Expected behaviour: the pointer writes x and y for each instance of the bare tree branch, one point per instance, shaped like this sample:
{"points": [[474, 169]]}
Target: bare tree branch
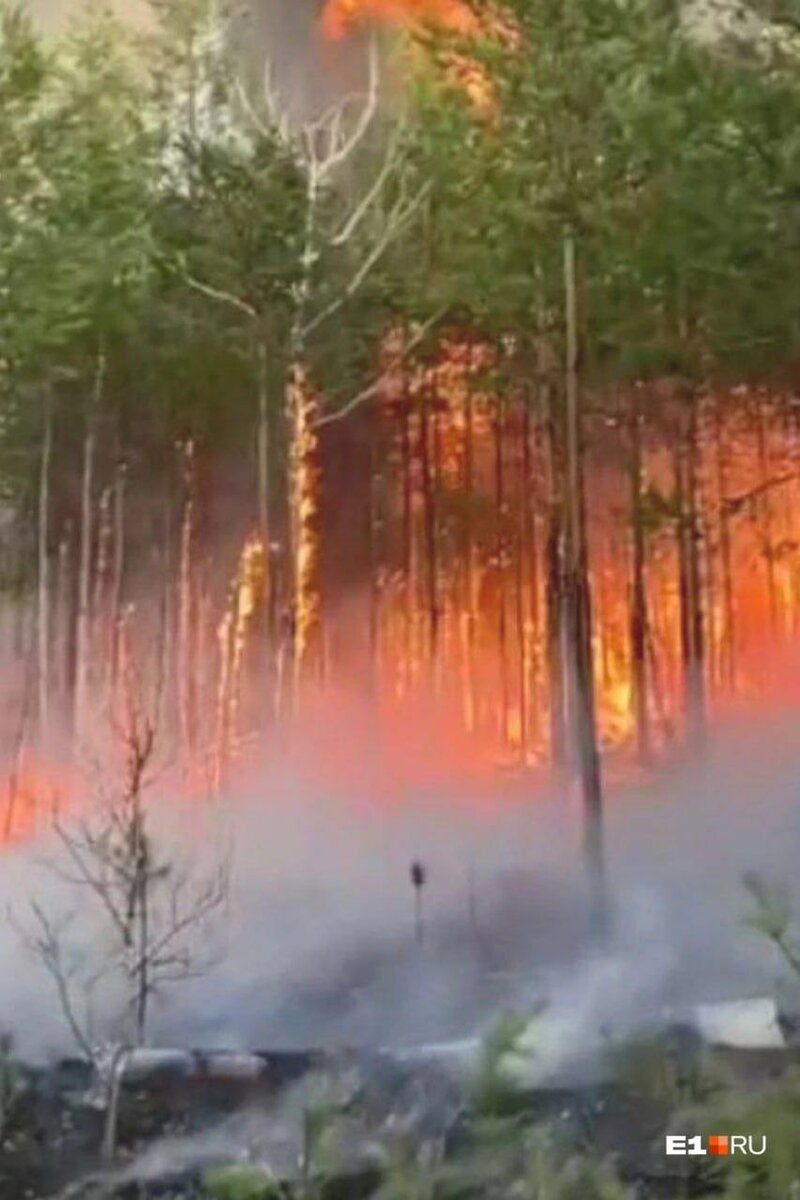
{"points": [[217, 294], [47, 945], [374, 388], [374, 191], [398, 219]]}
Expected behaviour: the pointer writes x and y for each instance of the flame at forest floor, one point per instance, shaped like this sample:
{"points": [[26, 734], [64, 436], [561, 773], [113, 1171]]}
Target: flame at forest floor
{"points": [[386, 755], [320, 944]]}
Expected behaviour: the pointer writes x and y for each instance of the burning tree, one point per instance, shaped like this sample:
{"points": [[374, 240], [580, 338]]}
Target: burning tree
{"points": [[573, 486], [352, 210]]}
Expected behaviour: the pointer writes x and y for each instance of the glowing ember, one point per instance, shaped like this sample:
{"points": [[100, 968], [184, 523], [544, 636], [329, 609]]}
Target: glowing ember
{"points": [[33, 795]]}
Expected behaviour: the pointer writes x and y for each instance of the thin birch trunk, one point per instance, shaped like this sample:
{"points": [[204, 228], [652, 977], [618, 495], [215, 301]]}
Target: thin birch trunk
{"points": [[638, 609], [62, 609], [581, 677], [689, 582], [82, 646], [101, 616], [766, 519], [408, 584], [697, 678], [43, 588], [728, 641], [523, 584], [500, 557], [429, 511], [264, 489], [185, 664], [374, 523], [470, 616], [117, 576], [554, 589]]}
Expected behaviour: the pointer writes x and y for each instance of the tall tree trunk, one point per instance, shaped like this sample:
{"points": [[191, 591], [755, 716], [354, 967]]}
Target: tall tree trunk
{"points": [[554, 585], [185, 663], [696, 577], [101, 616], [523, 590], [708, 597], [375, 559], [429, 510], [468, 548], [579, 645], [83, 623], [264, 489], [690, 583], [684, 594], [165, 565], [62, 607], [501, 556], [305, 510], [536, 681], [438, 534], [766, 520], [118, 569], [638, 609], [262, 443], [409, 583], [728, 642], [43, 586], [301, 412]]}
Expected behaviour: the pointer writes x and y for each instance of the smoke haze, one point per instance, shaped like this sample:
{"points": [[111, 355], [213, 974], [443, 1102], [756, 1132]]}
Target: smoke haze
{"points": [[319, 939]]}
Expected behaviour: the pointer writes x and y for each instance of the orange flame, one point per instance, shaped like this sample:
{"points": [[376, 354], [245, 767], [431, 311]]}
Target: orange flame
{"points": [[340, 16], [33, 792]]}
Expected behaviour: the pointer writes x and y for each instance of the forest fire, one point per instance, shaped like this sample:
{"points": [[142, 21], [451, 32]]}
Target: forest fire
{"points": [[463, 591], [35, 794], [452, 17], [399, 599], [340, 16]]}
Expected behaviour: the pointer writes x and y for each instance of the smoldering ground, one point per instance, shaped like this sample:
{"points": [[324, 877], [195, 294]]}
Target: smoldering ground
{"points": [[317, 943]]}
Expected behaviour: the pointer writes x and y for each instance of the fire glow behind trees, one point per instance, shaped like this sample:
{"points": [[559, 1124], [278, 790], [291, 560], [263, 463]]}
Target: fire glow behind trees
{"points": [[402, 517]]}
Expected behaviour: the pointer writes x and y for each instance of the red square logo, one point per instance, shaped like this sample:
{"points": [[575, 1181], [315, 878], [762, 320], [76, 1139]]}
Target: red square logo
{"points": [[717, 1144]]}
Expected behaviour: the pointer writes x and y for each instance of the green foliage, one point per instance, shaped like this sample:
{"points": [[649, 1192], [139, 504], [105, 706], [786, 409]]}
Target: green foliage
{"points": [[77, 255], [146, 217], [319, 1134], [774, 1113], [410, 1173], [492, 1090], [240, 1182], [10, 1085], [528, 1163], [650, 1074], [674, 168], [552, 1176], [771, 916]]}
